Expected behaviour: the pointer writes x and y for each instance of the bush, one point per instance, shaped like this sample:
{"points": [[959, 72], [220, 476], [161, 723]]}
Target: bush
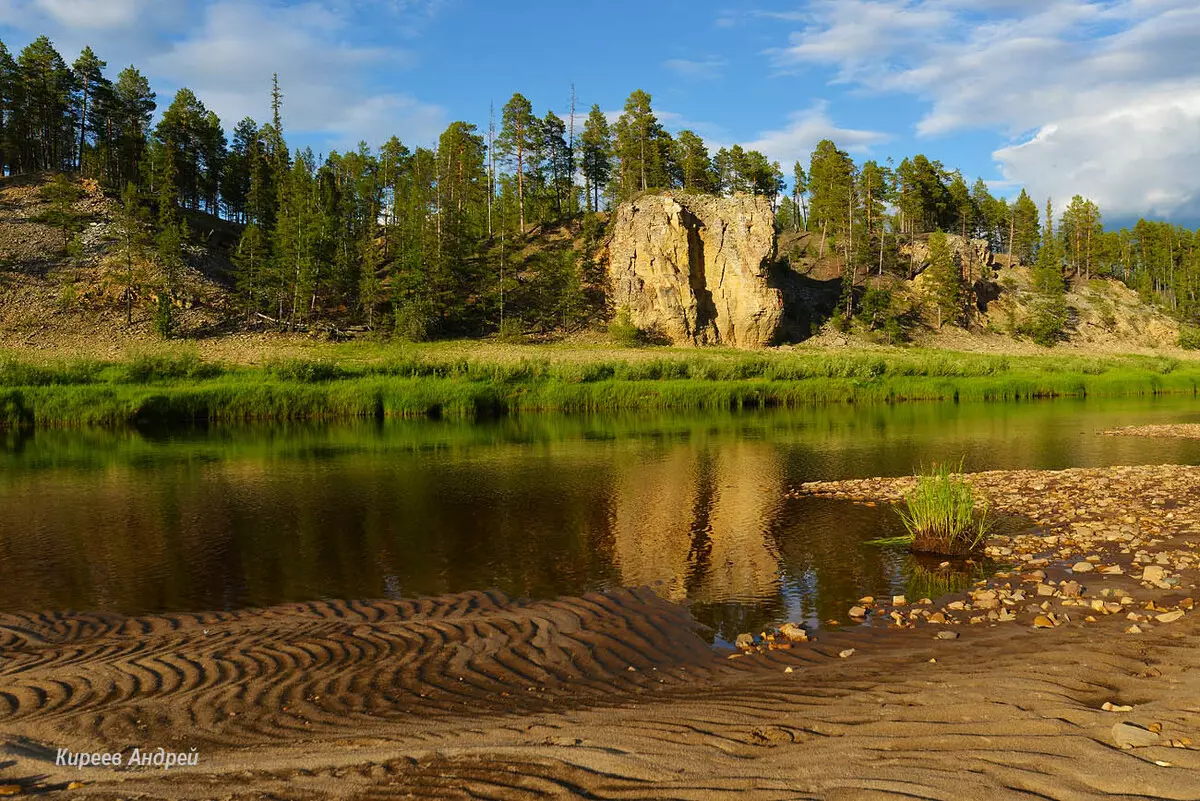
{"points": [[512, 330], [413, 322], [624, 332], [163, 319], [164, 366], [305, 371], [1189, 337], [942, 515], [1046, 325]]}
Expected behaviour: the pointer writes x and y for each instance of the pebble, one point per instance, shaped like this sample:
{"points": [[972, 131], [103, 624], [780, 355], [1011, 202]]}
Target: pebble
{"points": [[744, 641], [1082, 567], [1131, 735], [857, 611], [1109, 706], [1169, 617], [899, 600], [947, 635], [793, 632], [1153, 574], [847, 653]]}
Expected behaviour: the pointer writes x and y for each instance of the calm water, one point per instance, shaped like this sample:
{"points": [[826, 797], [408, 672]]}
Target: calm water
{"points": [[539, 506]]}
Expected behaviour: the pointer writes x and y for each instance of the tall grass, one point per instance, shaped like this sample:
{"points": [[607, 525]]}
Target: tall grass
{"points": [[177, 386], [942, 515]]}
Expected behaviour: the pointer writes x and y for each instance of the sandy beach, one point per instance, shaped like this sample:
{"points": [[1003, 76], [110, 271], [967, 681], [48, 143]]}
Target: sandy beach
{"points": [[1017, 688]]}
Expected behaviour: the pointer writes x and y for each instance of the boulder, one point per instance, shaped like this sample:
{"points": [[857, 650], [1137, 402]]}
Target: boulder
{"points": [[694, 268]]}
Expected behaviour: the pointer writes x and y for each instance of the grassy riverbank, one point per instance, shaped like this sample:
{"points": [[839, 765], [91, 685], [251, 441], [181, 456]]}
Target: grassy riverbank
{"points": [[169, 386]]}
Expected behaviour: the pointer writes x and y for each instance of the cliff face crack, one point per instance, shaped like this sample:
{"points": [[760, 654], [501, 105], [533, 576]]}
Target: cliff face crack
{"points": [[705, 327]]}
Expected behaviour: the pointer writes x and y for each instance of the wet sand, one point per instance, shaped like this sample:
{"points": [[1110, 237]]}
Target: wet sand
{"points": [[618, 696]]}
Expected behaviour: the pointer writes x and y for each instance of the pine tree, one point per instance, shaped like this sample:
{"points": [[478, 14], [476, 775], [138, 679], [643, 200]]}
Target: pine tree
{"points": [[799, 190], [695, 166], [8, 103], [875, 190], [41, 116], [559, 161], [596, 144], [643, 148], [62, 193], [831, 185], [251, 260], [133, 107], [1050, 304], [131, 226], [961, 204], [519, 130], [89, 75], [945, 283], [1024, 228]]}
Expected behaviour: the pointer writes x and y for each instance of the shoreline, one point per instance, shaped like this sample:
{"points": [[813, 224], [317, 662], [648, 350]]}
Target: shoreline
{"points": [[613, 695], [178, 387]]}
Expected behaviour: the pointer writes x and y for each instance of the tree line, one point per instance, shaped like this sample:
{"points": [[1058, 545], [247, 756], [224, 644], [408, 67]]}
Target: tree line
{"points": [[429, 240]]}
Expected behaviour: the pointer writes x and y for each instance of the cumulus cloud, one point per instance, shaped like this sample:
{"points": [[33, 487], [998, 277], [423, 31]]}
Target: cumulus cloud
{"points": [[796, 140], [1100, 99], [92, 14], [227, 50]]}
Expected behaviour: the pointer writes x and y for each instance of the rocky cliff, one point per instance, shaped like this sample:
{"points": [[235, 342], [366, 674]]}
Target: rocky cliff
{"points": [[695, 268]]}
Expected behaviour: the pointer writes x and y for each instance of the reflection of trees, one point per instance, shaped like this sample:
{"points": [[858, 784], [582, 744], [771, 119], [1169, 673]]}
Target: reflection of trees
{"points": [[827, 566]]}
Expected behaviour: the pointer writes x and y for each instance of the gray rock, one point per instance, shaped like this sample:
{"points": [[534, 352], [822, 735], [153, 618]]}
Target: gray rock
{"points": [[1131, 735]]}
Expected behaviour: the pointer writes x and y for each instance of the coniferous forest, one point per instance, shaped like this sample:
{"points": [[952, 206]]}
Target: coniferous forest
{"points": [[430, 239]]}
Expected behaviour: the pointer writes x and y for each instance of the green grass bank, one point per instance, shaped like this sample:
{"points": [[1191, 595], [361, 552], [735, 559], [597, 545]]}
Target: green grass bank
{"points": [[178, 386]]}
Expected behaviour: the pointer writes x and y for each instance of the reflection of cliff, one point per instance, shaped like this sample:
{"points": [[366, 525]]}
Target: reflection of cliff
{"points": [[698, 522], [654, 504]]}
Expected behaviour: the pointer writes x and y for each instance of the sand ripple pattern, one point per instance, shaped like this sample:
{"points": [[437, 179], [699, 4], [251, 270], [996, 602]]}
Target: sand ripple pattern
{"points": [[327, 668]]}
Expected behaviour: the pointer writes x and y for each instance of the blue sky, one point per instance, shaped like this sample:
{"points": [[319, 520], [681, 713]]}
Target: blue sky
{"points": [[1060, 96]]}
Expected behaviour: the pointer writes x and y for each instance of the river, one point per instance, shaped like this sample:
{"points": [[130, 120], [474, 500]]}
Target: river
{"points": [[695, 505]]}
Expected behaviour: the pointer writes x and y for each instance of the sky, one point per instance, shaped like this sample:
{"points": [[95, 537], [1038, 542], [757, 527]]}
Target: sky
{"points": [[1061, 97]]}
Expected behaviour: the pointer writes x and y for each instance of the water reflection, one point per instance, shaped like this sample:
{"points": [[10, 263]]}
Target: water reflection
{"points": [[541, 506]]}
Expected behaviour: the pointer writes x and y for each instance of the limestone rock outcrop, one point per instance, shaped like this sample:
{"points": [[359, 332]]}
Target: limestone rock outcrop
{"points": [[973, 255], [695, 268]]}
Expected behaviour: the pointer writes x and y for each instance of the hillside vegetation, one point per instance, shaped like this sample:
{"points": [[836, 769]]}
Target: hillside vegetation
{"points": [[193, 226]]}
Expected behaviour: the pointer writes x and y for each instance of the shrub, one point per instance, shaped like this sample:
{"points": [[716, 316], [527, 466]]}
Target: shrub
{"points": [[512, 330], [305, 371], [414, 322], [163, 366], [624, 332], [942, 514], [1189, 337]]}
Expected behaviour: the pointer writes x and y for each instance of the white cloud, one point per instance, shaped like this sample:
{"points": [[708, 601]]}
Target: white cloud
{"points": [[704, 69], [795, 142], [1111, 90], [93, 13], [227, 50]]}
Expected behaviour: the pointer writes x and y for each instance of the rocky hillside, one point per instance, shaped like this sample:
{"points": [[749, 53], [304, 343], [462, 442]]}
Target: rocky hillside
{"points": [[690, 269], [57, 282], [704, 270]]}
